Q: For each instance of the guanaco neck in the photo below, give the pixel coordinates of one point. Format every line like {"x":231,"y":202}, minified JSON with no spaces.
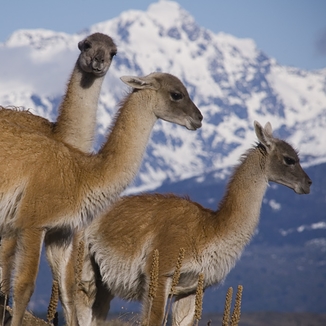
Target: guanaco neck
{"x":76,"y":122}
{"x":119,"y":159}
{"x":239,"y":210}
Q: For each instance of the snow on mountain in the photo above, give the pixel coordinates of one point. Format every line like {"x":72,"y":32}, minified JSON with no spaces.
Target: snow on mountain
{"x":301,"y":228}
{"x":231,"y":81}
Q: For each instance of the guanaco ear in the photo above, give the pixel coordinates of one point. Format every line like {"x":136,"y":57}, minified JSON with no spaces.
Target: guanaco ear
{"x":141,"y":82}
{"x":264,"y":135}
{"x":84,"y":45}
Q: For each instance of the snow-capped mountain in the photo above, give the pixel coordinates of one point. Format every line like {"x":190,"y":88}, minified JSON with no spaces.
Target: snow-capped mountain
{"x":233,"y":83}
{"x":230,"y":80}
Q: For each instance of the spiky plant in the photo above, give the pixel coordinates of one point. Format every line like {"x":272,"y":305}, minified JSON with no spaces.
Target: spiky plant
{"x":237,"y":307}
{"x":227,"y":307}
{"x":199,"y":298}
{"x":233,"y":320}
{"x":53,"y":301}
{"x":153,"y":279}
{"x":175,"y":281}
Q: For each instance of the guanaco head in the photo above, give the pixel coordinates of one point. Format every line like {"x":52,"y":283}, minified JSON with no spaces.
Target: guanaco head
{"x":282,"y":161}
{"x":97,"y":51}
{"x":173,"y":103}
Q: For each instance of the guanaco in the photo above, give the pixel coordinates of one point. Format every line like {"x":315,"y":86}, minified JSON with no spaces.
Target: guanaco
{"x":76,"y":121}
{"x":121,"y":241}
{"x":49,"y":185}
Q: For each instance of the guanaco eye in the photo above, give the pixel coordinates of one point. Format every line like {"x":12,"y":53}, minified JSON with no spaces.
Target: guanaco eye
{"x":289,"y":160}
{"x":176,"y":96}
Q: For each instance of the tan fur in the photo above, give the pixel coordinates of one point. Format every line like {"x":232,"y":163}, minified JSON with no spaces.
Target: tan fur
{"x":77,"y":128}
{"x":59,"y":187}
{"x":75,"y":125}
{"x":122,"y":240}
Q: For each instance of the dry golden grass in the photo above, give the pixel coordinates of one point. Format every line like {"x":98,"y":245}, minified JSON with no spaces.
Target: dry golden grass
{"x":29,"y":319}
{"x":176,"y":274}
{"x":233,"y":320}
{"x":153,"y":280}
{"x":228,"y":319}
{"x":199,"y":298}
{"x":53,"y":302}
{"x":237,"y":307}
{"x":175,"y":281}
{"x":154,"y":275}
{"x":80,"y":260}
{"x":227,"y":307}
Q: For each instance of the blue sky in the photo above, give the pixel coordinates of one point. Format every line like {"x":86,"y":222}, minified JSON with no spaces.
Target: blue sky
{"x":291,"y":31}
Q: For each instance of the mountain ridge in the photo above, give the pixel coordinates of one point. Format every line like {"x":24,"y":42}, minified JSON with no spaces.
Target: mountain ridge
{"x":233,"y":83}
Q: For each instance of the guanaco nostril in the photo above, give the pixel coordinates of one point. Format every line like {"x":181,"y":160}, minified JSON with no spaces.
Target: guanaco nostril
{"x":200,"y":116}
{"x":309,"y":182}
